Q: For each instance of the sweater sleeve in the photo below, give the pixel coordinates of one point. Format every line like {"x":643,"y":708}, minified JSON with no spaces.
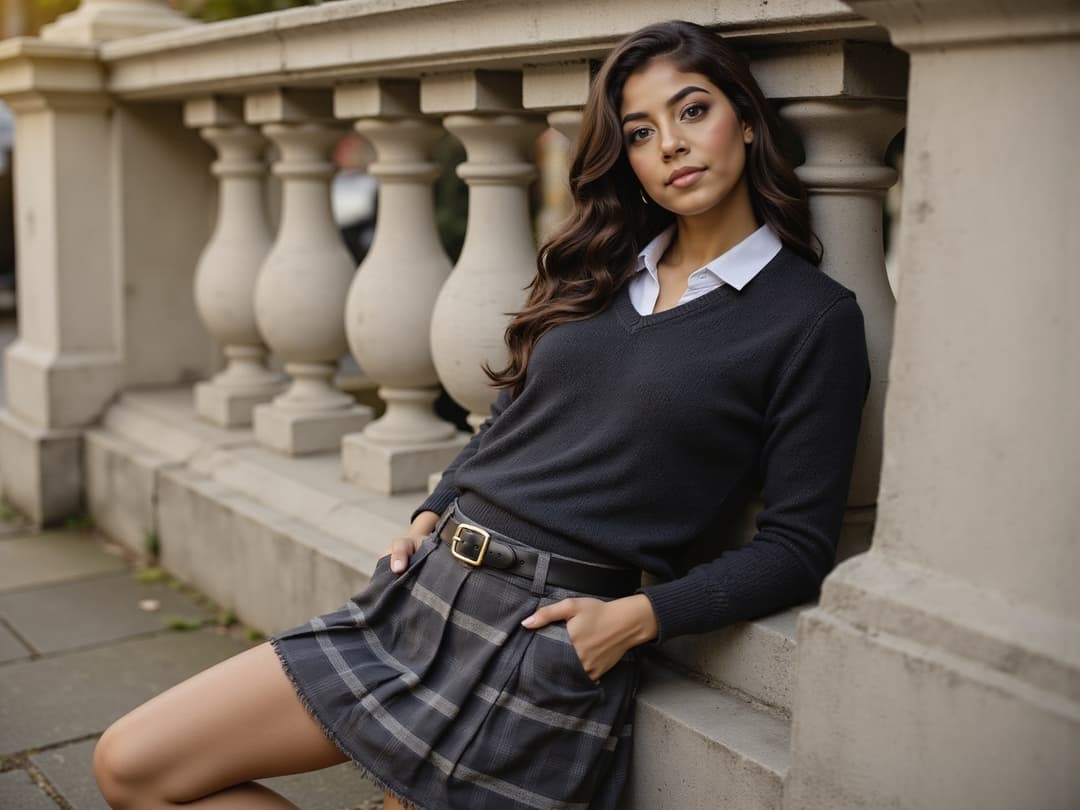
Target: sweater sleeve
{"x":445,"y":493}
{"x":810,"y":429}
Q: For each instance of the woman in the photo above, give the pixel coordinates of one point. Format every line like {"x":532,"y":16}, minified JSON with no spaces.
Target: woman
{"x":679,"y":348}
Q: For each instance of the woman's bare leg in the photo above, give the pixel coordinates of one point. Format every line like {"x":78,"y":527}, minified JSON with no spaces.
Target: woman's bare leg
{"x":202,"y":742}
{"x":390,"y":803}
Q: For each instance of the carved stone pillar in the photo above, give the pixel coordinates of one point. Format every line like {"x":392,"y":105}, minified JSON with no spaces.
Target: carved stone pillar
{"x":302,"y":284}
{"x":391,"y":299}
{"x":498,"y":258}
{"x":66,"y":363}
{"x":942,"y":668}
{"x":229,"y":265}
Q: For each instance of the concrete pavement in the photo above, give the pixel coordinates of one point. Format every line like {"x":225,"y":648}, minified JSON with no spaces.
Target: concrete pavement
{"x":82,"y":640}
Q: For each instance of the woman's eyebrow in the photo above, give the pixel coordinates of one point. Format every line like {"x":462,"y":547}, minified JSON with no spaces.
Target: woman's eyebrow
{"x":675,"y":99}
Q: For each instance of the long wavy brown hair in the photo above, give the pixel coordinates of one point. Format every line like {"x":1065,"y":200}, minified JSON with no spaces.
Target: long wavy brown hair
{"x":579,"y":270}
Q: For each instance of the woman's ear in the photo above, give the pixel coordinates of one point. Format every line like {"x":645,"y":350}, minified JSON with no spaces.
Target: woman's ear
{"x":747,"y":134}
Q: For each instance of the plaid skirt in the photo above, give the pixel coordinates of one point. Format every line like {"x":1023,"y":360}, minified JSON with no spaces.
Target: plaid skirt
{"x":429,"y":683}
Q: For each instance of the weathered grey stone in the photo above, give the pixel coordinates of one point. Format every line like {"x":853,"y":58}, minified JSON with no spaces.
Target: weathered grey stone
{"x":757,"y":658}
{"x":56,"y":618}
{"x":69,"y":769}
{"x":120,"y":487}
{"x":19,"y":792}
{"x":273,"y":571}
{"x":64,"y":697}
{"x":50,"y":557}
{"x":10,"y":647}
{"x":701,"y":747}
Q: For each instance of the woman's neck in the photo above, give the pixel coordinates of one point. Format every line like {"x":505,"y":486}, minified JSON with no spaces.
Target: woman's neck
{"x":700,"y":239}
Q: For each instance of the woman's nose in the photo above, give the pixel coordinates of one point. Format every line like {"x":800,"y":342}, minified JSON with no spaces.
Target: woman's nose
{"x":672,"y":144}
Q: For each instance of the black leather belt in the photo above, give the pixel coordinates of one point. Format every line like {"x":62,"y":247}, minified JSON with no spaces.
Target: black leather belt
{"x":476,"y":546}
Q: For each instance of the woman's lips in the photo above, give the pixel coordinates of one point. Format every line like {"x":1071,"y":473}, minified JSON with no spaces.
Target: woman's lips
{"x":685,"y":177}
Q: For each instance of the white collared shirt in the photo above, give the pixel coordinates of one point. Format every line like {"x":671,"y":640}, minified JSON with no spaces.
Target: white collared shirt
{"x":736,"y":267}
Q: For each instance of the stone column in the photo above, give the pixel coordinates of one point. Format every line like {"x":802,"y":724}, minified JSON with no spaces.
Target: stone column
{"x":845,"y":101}
{"x":65,"y":365}
{"x":942,"y":668}
{"x":226,"y":273}
{"x":103,"y":20}
{"x":388,"y":311}
{"x":498,"y":258}
{"x":302,"y":284}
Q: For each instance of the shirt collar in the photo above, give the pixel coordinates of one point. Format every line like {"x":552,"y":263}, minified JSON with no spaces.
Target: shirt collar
{"x":736,"y":267}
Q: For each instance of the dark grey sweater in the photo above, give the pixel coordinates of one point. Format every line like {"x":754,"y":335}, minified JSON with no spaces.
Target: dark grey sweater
{"x":634,"y":435}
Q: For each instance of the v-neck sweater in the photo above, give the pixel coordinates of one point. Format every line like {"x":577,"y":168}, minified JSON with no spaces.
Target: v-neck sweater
{"x":636,"y":437}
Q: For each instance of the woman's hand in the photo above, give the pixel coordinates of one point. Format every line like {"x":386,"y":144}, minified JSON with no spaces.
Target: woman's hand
{"x":402,"y":548}
{"x":600,"y":631}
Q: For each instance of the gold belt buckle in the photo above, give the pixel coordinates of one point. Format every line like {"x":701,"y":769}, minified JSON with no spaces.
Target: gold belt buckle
{"x":478,"y":560}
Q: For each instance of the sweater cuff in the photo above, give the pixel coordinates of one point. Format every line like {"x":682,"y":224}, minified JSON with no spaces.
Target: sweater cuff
{"x":438,"y":501}
{"x":686,"y":605}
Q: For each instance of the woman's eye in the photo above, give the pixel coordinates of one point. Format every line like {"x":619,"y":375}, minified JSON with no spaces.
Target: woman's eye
{"x":636,"y":135}
{"x":695,"y":111}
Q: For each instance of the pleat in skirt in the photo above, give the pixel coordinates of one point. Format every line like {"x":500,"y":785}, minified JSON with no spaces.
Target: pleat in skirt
{"x":429,"y":683}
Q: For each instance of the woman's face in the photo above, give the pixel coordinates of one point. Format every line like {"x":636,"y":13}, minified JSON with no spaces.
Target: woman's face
{"x":684,"y":140}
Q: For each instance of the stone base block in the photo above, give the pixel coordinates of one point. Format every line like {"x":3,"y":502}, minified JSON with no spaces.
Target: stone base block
{"x":229,"y":409}
{"x":390,"y":469}
{"x":41,"y":470}
{"x":935,"y":693}
{"x":297,"y":434}
{"x":274,"y":572}
{"x":121,"y":489}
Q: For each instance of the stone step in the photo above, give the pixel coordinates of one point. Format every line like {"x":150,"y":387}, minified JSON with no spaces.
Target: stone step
{"x":756,"y":658}
{"x":701,"y":747}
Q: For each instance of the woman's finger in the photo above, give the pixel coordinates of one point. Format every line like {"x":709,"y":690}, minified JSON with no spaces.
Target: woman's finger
{"x":562,"y":610}
{"x":401,"y":549}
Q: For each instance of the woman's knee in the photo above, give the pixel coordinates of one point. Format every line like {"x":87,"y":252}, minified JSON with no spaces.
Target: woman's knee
{"x":120,"y":766}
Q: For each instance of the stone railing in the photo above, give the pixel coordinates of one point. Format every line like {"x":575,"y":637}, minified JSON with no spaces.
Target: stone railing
{"x":127,"y":130}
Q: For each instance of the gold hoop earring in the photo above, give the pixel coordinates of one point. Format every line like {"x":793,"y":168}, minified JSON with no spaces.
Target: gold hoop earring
{"x":641,"y":193}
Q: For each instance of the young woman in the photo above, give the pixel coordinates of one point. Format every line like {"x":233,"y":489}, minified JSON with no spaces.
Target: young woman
{"x":678,"y":350}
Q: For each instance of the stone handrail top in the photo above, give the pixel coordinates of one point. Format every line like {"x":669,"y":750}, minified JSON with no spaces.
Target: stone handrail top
{"x":357,"y":39}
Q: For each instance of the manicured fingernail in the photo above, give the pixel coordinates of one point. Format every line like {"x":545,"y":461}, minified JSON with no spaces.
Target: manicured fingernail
{"x":397,"y":566}
{"x":528,"y":621}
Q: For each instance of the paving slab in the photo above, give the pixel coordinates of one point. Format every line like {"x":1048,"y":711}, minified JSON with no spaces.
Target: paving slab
{"x":69,"y":769}
{"x":40,"y":559}
{"x":11,"y":649}
{"x":93,"y":611}
{"x":70,"y":696}
{"x":19,"y":792}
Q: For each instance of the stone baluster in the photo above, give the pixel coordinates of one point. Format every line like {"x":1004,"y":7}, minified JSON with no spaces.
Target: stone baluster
{"x":560,"y":90}
{"x":391,"y":299}
{"x":953,"y":643}
{"x":302,"y":284}
{"x":845,"y":100}
{"x":498,"y":258}
{"x":103,"y":20}
{"x":227,"y":270}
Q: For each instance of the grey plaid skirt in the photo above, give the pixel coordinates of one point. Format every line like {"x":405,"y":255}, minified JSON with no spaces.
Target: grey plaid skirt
{"x":428,"y":682}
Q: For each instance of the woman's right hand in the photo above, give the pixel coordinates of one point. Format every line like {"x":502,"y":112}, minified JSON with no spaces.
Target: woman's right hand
{"x":402,"y":548}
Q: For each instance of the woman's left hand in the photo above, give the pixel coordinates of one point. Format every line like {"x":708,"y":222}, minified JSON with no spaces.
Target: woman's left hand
{"x":600,"y":631}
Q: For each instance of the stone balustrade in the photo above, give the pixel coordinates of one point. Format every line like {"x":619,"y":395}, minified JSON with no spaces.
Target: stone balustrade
{"x":296,"y":80}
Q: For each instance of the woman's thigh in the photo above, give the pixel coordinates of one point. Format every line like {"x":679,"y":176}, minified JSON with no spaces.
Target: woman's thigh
{"x":237,"y":721}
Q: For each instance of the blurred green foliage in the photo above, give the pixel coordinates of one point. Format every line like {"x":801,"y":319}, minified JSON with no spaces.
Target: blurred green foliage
{"x":214,"y":10}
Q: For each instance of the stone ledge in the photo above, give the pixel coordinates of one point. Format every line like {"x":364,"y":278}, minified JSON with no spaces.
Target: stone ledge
{"x":756,"y":658}
{"x":701,"y":747}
